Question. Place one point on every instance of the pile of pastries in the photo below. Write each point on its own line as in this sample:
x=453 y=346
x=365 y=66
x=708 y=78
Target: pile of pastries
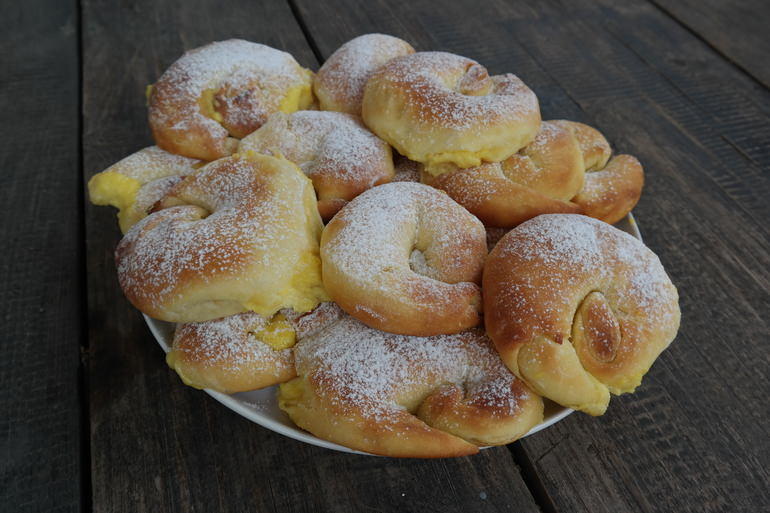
x=397 y=240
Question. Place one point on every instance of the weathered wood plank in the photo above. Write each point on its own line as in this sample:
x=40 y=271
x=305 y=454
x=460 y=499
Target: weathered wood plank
x=692 y=438
x=40 y=265
x=737 y=29
x=157 y=445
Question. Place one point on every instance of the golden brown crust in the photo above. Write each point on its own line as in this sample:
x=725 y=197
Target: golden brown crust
x=228 y=355
x=221 y=91
x=405 y=258
x=614 y=185
x=577 y=308
x=333 y=149
x=435 y=107
x=136 y=182
x=404 y=396
x=339 y=84
x=240 y=234
x=539 y=179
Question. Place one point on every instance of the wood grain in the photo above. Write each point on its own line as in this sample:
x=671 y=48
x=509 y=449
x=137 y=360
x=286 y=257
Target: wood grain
x=40 y=265
x=157 y=445
x=693 y=437
x=737 y=29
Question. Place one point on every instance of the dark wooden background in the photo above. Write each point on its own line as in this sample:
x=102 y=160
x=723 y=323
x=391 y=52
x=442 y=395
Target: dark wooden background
x=92 y=419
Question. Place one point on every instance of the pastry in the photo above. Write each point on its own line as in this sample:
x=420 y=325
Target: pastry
x=541 y=178
x=577 y=308
x=405 y=396
x=135 y=183
x=334 y=150
x=613 y=186
x=405 y=258
x=240 y=234
x=339 y=84
x=436 y=108
x=221 y=92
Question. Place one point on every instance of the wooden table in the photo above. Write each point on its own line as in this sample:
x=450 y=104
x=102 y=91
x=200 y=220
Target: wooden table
x=92 y=418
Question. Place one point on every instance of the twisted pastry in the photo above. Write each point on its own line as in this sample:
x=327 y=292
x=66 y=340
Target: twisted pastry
x=135 y=183
x=564 y=170
x=240 y=234
x=577 y=308
x=405 y=258
x=436 y=107
x=221 y=91
x=334 y=150
x=404 y=396
x=613 y=186
x=339 y=84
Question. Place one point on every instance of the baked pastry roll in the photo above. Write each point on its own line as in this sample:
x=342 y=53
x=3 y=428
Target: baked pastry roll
x=222 y=92
x=335 y=150
x=240 y=234
x=577 y=308
x=405 y=396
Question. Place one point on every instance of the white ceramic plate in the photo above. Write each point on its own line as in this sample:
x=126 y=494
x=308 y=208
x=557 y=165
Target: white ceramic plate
x=261 y=406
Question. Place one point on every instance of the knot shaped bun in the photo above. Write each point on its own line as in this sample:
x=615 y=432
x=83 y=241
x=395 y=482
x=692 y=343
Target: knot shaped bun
x=240 y=234
x=135 y=183
x=405 y=258
x=334 y=150
x=578 y=308
x=540 y=179
x=221 y=91
x=339 y=84
x=405 y=396
x=613 y=186
x=436 y=107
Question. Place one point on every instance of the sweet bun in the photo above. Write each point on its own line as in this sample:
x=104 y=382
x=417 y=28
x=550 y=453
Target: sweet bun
x=221 y=92
x=134 y=184
x=240 y=234
x=405 y=258
x=613 y=186
x=238 y=353
x=339 y=84
x=436 y=108
x=333 y=149
x=540 y=179
x=405 y=396
x=577 y=308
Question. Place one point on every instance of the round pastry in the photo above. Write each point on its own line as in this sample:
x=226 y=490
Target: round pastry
x=221 y=91
x=612 y=186
x=436 y=107
x=577 y=308
x=244 y=351
x=339 y=84
x=540 y=179
x=238 y=353
x=334 y=150
x=405 y=258
x=240 y=234
x=134 y=184
x=405 y=396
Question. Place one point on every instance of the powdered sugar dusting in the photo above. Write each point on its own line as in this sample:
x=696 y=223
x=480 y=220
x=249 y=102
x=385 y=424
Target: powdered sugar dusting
x=430 y=81
x=381 y=227
x=229 y=344
x=334 y=149
x=151 y=163
x=232 y=218
x=234 y=65
x=376 y=373
x=343 y=76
